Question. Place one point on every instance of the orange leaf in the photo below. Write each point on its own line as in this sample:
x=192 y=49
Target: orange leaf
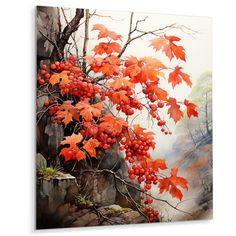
x=153 y=88
x=62 y=77
x=90 y=146
x=174 y=110
x=177 y=76
x=150 y=61
x=119 y=82
x=72 y=140
x=159 y=164
x=66 y=112
x=72 y=152
x=109 y=122
x=88 y=111
x=170 y=184
x=191 y=108
x=168 y=46
x=119 y=96
x=108 y=66
x=143 y=70
x=104 y=32
x=139 y=131
x=107 y=48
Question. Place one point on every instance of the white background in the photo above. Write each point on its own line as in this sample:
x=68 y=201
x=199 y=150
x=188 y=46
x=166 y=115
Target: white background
x=17 y=60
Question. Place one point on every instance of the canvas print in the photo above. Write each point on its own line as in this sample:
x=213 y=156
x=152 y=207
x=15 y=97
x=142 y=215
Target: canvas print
x=124 y=118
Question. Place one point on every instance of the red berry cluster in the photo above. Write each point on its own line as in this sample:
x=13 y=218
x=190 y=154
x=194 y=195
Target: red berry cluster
x=79 y=87
x=106 y=138
x=52 y=103
x=127 y=107
x=152 y=214
x=150 y=94
x=53 y=110
x=143 y=175
x=70 y=64
x=138 y=146
x=43 y=76
x=148 y=177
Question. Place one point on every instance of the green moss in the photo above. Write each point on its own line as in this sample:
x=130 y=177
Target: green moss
x=82 y=201
x=112 y=211
x=48 y=172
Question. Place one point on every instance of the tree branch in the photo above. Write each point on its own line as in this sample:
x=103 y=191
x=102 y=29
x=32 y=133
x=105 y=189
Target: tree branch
x=71 y=27
x=136 y=188
x=86 y=37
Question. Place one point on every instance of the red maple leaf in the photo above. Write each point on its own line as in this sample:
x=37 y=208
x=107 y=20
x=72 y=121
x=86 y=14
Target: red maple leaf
x=107 y=48
x=177 y=76
x=141 y=132
x=168 y=46
x=170 y=184
x=116 y=124
x=117 y=83
x=104 y=32
x=159 y=164
x=191 y=108
x=143 y=70
x=108 y=66
x=119 y=96
x=72 y=152
x=174 y=110
x=61 y=78
x=88 y=111
x=154 y=164
x=66 y=112
x=90 y=146
x=153 y=88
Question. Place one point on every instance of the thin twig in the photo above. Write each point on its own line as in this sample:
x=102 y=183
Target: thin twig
x=136 y=188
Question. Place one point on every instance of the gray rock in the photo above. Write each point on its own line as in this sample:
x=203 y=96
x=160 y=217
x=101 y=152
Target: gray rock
x=47 y=23
x=99 y=186
x=71 y=192
x=55 y=190
x=85 y=220
x=40 y=161
x=109 y=215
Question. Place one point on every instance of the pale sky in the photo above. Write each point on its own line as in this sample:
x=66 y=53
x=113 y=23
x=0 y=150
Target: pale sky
x=198 y=54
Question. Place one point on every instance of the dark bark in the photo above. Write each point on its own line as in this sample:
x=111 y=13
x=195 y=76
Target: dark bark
x=58 y=50
x=86 y=37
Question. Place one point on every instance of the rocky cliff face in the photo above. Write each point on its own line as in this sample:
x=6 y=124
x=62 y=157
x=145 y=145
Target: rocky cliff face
x=110 y=201
x=56 y=195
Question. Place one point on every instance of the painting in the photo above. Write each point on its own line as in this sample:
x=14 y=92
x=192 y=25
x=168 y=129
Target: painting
x=124 y=118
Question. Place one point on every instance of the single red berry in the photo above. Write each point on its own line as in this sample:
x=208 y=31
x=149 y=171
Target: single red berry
x=47 y=76
x=41 y=81
x=160 y=104
x=129 y=112
x=147 y=209
x=156 y=213
x=53 y=66
x=43 y=67
x=43 y=72
x=153 y=107
x=132 y=176
x=46 y=104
